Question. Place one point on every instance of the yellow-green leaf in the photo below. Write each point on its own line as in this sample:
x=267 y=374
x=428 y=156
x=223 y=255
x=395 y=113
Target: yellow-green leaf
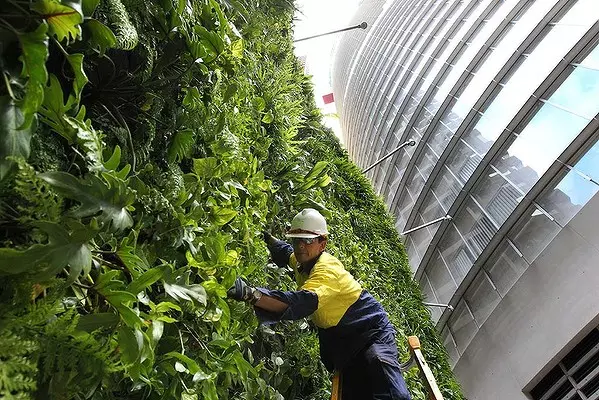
x=64 y=20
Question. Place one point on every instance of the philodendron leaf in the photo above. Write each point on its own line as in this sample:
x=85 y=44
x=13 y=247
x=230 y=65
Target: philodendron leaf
x=101 y=37
x=14 y=142
x=89 y=6
x=64 y=248
x=194 y=293
x=35 y=53
x=180 y=146
x=64 y=18
x=76 y=62
x=110 y=196
x=178 y=288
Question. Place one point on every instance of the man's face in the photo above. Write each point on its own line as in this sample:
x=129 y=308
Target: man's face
x=306 y=250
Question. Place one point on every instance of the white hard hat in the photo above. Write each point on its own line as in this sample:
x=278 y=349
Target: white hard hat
x=308 y=224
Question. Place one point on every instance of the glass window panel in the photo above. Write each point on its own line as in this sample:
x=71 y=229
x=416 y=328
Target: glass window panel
x=440 y=137
x=431 y=209
x=534 y=233
x=589 y=163
x=482 y=297
x=449 y=344
x=539 y=144
x=583 y=13
x=462 y=325
x=441 y=280
x=463 y=161
x=568 y=197
x=412 y=251
x=476 y=140
x=427 y=162
x=427 y=290
x=475 y=226
x=505 y=267
x=422 y=237
x=579 y=91
x=447 y=188
x=496 y=195
x=455 y=253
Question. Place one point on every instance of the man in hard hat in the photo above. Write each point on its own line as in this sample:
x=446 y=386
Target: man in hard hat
x=355 y=335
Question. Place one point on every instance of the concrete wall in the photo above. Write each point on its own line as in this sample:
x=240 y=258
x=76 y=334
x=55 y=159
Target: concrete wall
x=553 y=305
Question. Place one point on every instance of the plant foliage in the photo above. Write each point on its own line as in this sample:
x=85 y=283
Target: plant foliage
x=144 y=145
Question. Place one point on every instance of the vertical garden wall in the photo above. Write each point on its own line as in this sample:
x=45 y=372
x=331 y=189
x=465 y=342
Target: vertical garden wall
x=144 y=145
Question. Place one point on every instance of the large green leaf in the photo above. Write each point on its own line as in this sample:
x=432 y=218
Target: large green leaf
x=76 y=63
x=110 y=196
x=180 y=146
x=14 y=142
x=100 y=36
x=64 y=248
x=179 y=288
x=90 y=140
x=145 y=280
x=53 y=109
x=64 y=18
x=92 y=322
x=34 y=46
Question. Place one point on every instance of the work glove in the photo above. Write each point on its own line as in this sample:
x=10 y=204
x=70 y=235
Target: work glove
x=241 y=291
x=268 y=238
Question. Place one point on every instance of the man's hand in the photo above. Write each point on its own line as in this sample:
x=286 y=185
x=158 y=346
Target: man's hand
x=268 y=238
x=241 y=291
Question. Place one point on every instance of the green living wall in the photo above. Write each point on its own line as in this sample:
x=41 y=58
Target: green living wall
x=144 y=145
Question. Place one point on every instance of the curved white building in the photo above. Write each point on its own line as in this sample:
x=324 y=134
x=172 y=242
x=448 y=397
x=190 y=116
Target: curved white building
x=501 y=98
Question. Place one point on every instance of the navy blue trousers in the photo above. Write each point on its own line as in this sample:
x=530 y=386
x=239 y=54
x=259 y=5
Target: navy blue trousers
x=374 y=374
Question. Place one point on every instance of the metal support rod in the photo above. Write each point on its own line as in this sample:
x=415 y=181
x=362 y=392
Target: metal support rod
x=363 y=25
x=450 y=307
x=425 y=225
x=411 y=142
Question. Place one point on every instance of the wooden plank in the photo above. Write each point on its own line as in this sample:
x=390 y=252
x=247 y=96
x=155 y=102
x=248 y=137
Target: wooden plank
x=336 y=390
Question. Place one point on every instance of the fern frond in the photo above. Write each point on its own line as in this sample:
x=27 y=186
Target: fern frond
x=39 y=201
x=18 y=366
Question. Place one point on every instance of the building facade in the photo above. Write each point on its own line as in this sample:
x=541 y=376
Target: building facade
x=501 y=98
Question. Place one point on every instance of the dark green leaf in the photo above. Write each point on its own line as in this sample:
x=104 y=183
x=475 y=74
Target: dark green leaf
x=63 y=248
x=144 y=280
x=258 y=103
x=111 y=197
x=89 y=6
x=14 y=142
x=100 y=36
x=130 y=344
x=180 y=146
x=191 y=365
x=76 y=63
x=34 y=46
x=92 y=322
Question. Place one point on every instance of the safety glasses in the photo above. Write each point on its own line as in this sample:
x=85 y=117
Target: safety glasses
x=297 y=241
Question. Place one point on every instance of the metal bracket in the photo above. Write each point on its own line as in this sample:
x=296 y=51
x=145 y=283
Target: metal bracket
x=427 y=224
x=448 y=306
x=363 y=25
x=411 y=142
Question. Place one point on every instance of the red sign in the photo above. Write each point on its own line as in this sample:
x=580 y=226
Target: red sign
x=328 y=98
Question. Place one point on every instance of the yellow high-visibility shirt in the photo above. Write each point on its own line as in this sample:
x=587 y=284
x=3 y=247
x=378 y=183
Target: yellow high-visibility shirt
x=335 y=287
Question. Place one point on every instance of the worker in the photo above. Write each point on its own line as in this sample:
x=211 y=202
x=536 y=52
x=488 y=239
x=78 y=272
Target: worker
x=356 y=337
